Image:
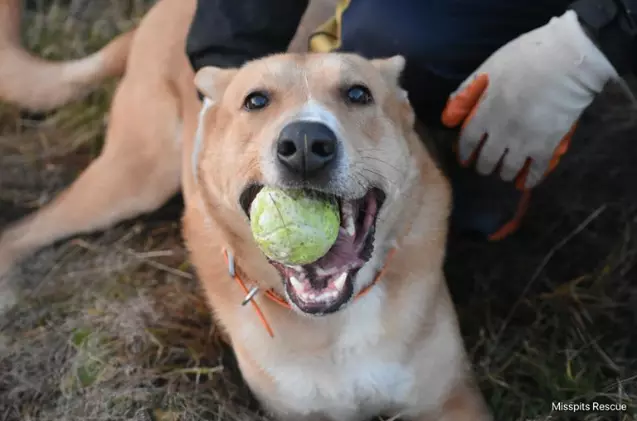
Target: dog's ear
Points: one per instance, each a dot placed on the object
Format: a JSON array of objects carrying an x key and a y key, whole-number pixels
[
  {"x": 212, "y": 81},
  {"x": 391, "y": 68}
]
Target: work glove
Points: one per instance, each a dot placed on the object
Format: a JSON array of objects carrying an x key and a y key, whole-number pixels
[{"x": 519, "y": 109}]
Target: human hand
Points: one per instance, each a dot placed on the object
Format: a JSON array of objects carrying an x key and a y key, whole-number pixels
[{"x": 519, "y": 109}]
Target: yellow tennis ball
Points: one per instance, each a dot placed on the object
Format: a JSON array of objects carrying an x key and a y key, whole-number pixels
[{"x": 292, "y": 226}]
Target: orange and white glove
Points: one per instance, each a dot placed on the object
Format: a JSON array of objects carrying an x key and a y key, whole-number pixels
[{"x": 519, "y": 109}]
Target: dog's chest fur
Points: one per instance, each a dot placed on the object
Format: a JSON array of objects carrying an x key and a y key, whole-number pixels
[{"x": 359, "y": 375}]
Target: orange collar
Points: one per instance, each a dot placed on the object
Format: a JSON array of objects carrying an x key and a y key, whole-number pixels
[{"x": 272, "y": 295}]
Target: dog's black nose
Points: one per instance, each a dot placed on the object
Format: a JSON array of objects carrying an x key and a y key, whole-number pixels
[{"x": 306, "y": 147}]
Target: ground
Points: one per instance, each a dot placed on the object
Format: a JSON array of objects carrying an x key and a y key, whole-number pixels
[{"x": 113, "y": 326}]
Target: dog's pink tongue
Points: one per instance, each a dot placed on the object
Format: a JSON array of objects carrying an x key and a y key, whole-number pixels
[{"x": 342, "y": 254}]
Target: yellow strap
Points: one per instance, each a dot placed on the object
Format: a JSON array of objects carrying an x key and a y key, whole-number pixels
[{"x": 327, "y": 37}]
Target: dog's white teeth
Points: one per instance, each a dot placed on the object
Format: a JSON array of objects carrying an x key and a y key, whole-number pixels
[
  {"x": 348, "y": 218},
  {"x": 296, "y": 284},
  {"x": 339, "y": 283},
  {"x": 350, "y": 227}
]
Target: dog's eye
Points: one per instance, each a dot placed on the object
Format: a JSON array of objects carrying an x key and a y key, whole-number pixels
[
  {"x": 359, "y": 95},
  {"x": 256, "y": 101}
]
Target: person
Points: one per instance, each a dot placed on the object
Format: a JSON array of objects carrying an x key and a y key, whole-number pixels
[{"x": 512, "y": 78}]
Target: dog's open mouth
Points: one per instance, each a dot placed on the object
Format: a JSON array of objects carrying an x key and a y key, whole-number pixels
[{"x": 325, "y": 285}]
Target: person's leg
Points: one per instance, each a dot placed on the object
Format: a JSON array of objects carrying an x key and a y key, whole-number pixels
[
  {"x": 444, "y": 42},
  {"x": 227, "y": 33}
]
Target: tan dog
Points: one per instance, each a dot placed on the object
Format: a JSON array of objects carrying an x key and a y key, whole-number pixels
[{"x": 368, "y": 329}]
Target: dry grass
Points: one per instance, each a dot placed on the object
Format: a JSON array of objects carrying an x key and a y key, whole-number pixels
[{"x": 112, "y": 326}]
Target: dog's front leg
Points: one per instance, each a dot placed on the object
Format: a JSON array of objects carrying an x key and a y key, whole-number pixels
[{"x": 137, "y": 172}]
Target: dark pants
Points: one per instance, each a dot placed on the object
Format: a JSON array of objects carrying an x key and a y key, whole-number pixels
[{"x": 444, "y": 41}]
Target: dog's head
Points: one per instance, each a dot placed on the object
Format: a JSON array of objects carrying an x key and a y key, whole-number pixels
[{"x": 335, "y": 124}]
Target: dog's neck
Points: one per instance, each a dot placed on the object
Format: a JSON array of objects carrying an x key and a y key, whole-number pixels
[{"x": 251, "y": 291}]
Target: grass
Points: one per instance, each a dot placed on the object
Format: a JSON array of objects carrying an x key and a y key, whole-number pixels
[{"x": 113, "y": 326}]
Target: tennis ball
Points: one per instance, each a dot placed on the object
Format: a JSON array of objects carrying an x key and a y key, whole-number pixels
[{"x": 292, "y": 226}]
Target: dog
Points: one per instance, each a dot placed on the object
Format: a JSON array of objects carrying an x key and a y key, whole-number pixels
[{"x": 368, "y": 329}]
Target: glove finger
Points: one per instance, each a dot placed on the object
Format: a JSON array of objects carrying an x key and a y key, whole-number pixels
[
  {"x": 537, "y": 160},
  {"x": 490, "y": 155},
  {"x": 542, "y": 167},
  {"x": 472, "y": 135},
  {"x": 478, "y": 77},
  {"x": 520, "y": 179},
  {"x": 511, "y": 166},
  {"x": 472, "y": 155},
  {"x": 501, "y": 131},
  {"x": 536, "y": 172},
  {"x": 469, "y": 147},
  {"x": 460, "y": 105}
]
